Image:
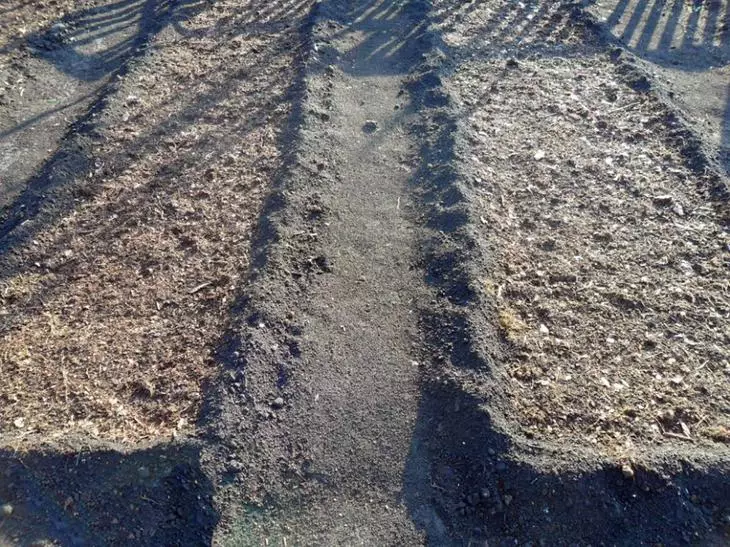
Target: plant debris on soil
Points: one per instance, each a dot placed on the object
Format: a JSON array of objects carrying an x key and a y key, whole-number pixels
[
  {"x": 114, "y": 305},
  {"x": 380, "y": 272},
  {"x": 609, "y": 277}
]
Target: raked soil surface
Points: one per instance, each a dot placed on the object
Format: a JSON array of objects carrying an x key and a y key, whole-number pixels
[{"x": 363, "y": 273}]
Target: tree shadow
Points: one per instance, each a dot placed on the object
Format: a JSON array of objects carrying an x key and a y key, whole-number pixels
[
  {"x": 458, "y": 478},
  {"x": 74, "y": 160},
  {"x": 471, "y": 478},
  {"x": 94, "y": 48},
  {"x": 94, "y": 43},
  {"x": 154, "y": 496},
  {"x": 683, "y": 35},
  {"x": 463, "y": 487}
]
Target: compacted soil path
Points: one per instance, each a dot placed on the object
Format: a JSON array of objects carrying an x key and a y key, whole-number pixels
[{"x": 342, "y": 279}]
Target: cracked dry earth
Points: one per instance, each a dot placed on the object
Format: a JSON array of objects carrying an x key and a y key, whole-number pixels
[{"x": 360, "y": 273}]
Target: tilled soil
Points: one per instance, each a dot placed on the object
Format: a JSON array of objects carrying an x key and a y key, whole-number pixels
[
  {"x": 685, "y": 46},
  {"x": 116, "y": 292},
  {"x": 483, "y": 463},
  {"x": 608, "y": 257},
  {"x": 448, "y": 273}
]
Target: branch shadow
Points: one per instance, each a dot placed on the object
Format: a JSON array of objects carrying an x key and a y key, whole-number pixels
[
  {"x": 155, "y": 496},
  {"x": 467, "y": 482},
  {"x": 150, "y": 496},
  {"x": 96, "y": 46},
  {"x": 94, "y": 43},
  {"x": 687, "y": 36}
]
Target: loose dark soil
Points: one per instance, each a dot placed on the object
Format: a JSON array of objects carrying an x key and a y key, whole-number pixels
[{"x": 386, "y": 272}]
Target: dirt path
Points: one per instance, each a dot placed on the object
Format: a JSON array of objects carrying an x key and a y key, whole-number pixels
[
  {"x": 352, "y": 403},
  {"x": 366, "y": 323}
]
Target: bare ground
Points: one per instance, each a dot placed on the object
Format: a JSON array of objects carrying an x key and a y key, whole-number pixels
[
  {"x": 608, "y": 254},
  {"x": 115, "y": 294},
  {"x": 419, "y": 272}
]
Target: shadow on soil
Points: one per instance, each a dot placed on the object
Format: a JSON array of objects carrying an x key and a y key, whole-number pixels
[
  {"x": 93, "y": 43},
  {"x": 465, "y": 481},
  {"x": 37, "y": 209},
  {"x": 83, "y": 49},
  {"x": 692, "y": 37},
  {"x": 158, "y": 496},
  {"x": 462, "y": 488},
  {"x": 460, "y": 483}
]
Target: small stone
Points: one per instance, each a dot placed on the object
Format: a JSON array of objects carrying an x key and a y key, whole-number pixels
[
  {"x": 663, "y": 201},
  {"x": 507, "y": 499},
  {"x": 627, "y": 470},
  {"x": 678, "y": 210},
  {"x": 236, "y": 466},
  {"x": 59, "y": 29},
  {"x": 6, "y": 510},
  {"x": 512, "y": 63},
  {"x": 143, "y": 472},
  {"x": 544, "y": 330},
  {"x": 540, "y": 154},
  {"x": 19, "y": 423},
  {"x": 370, "y": 126},
  {"x": 278, "y": 403}
]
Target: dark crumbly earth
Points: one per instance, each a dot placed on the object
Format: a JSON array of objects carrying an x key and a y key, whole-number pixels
[{"x": 364, "y": 273}]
